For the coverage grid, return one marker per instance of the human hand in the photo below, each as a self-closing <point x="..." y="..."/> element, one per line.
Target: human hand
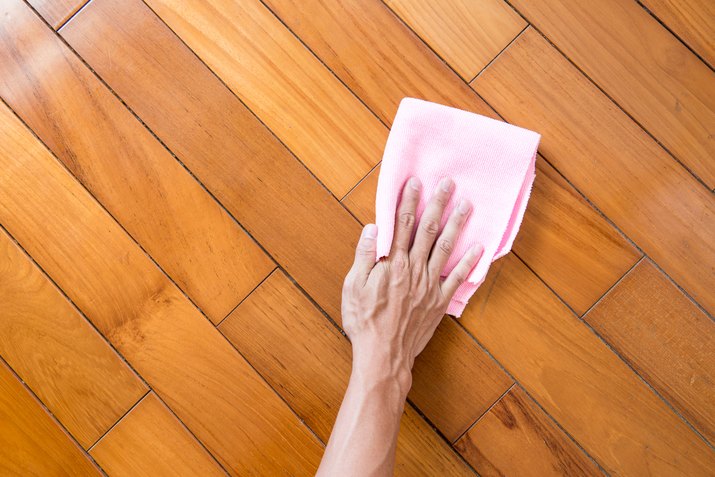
<point x="391" y="308"/>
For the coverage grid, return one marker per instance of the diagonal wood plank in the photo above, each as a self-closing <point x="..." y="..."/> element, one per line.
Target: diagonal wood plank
<point x="56" y="12"/>
<point x="31" y="442"/>
<point x="220" y="141"/>
<point x="691" y="20"/>
<point x="617" y="165"/>
<point x="179" y="353"/>
<point x="298" y="222"/>
<point x="666" y="338"/>
<point x="578" y="380"/>
<point x="642" y="67"/>
<point x="358" y="39"/>
<point x="467" y="34"/>
<point x="56" y="352"/>
<point x="317" y="118"/>
<point x="516" y="438"/>
<point x="129" y="171"/>
<point x="453" y="383"/>
<point x="149" y="440"/>
<point x="562" y="237"/>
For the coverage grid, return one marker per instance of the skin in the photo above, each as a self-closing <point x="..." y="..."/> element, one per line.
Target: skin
<point x="390" y="311"/>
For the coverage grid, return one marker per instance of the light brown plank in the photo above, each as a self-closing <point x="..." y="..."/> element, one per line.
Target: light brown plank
<point x="31" y="442"/>
<point x="58" y="355"/>
<point x="609" y="158"/>
<point x="375" y="54"/>
<point x="149" y="440"/>
<point x="129" y="171"/>
<point x="56" y="12"/>
<point x="149" y="321"/>
<point x="578" y="380"/>
<point x="220" y="141"/>
<point x="516" y="438"/>
<point x="311" y="366"/>
<point x="562" y="238"/>
<point x="692" y="20"/>
<point x="642" y="67"/>
<point x="280" y="80"/>
<point x="666" y="338"/>
<point x="467" y="34"/>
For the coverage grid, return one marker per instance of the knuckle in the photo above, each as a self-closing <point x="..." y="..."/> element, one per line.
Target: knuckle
<point x="430" y="226"/>
<point x="407" y="219"/>
<point x="446" y="246"/>
<point x="400" y="261"/>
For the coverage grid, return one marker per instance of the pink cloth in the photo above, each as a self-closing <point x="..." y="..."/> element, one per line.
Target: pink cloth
<point x="491" y="163"/>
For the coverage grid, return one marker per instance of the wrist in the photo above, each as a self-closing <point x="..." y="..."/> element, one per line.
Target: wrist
<point x="377" y="368"/>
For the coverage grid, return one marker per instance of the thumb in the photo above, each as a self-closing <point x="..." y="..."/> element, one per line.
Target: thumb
<point x="365" y="252"/>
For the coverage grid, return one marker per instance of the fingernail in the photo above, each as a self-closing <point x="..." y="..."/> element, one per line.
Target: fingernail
<point x="446" y="184"/>
<point x="415" y="183"/>
<point x="464" y="206"/>
<point x="370" y="231"/>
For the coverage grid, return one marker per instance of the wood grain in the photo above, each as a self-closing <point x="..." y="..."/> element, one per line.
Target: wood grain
<point x="31" y="442"/>
<point x="516" y="438"/>
<point x="268" y="191"/>
<point x="604" y="154"/>
<point x="666" y="338"/>
<point x="149" y="440"/>
<point x="578" y="380"/>
<point x="467" y="34"/>
<point x="692" y="20"/>
<point x="280" y="80"/>
<point x="375" y="54"/>
<point x="131" y="174"/>
<point x="58" y="355"/>
<point x="642" y="67"/>
<point x="179" y="353"/>
<point x="311" y="368"/>
<point x="454" y="382"/>
<point x="562" y="238"/>
<point x="56" y="12"/>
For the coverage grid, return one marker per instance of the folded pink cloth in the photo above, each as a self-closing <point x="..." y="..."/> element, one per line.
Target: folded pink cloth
<point x="491" y="163"/>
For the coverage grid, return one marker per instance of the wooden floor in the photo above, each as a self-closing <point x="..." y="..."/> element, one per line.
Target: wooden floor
<point x="183" y="182"/>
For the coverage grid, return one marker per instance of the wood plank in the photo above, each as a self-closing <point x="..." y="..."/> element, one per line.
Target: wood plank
<point x="604" y="154"/>
<point x="58" y="355"/>
<point x="150" y="440"/>
<point x="578" y="380"/>
<point x="467" y="34"/>
<point x="692" y="20"/>
<point x="517" y="438"/>
<point x="268" y="191"/>
<point x="562" y="238"/>
<point x="312" y="365"/>
<point x="642" y="67"/>
<point x="375" y="54"/>
<point x="56" y="12"/>
<point x="180" y="354"/>
<point x="666" y="338"/>
<point x="31" y="442"/>
<point x="198" y="244"/>
<point x="281" y="81"/>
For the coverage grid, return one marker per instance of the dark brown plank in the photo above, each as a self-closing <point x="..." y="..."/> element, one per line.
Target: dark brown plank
<point x="58" y="355"/>
<point x="666" y="338"/>
<point x="129" y="171"/>
<point x="179" y="353"/>
<point x="31" y="442"/>
<point x="609" y="158"/>
<point x="578" y="380"/>
<point x="516" y="438"/>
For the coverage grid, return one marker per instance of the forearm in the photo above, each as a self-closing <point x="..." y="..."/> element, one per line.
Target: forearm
<point x="364" y="437"/>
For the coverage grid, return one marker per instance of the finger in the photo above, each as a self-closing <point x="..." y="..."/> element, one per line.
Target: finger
<point x="405" y="216"/>
<point x="431" y="219"/>
<point x="461" y="272"/>
<point x="365" y="253"/>
<point x="445" y="243"/>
